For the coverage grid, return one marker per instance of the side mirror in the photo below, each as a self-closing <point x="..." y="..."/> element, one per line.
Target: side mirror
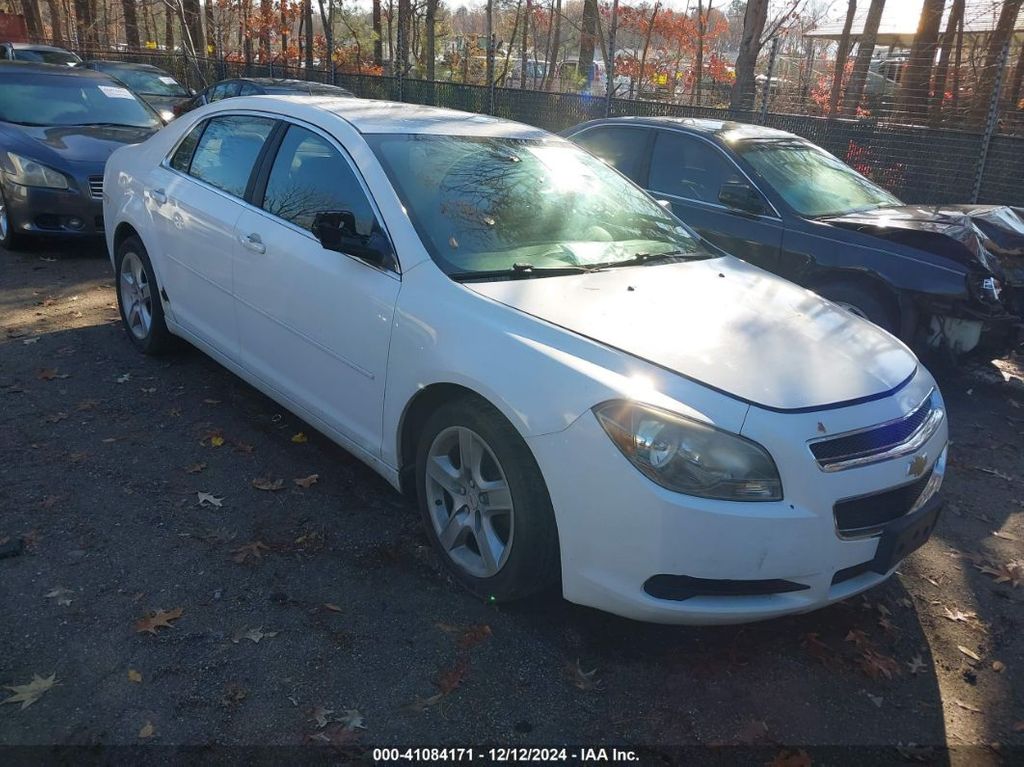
<point x="741" y="196"/>
<point x="336" y="230"/>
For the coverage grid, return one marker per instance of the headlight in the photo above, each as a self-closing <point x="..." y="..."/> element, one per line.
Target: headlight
<point x="31" y="173"/>
<point x="690" y="457"/>
<point x="166" y="115"/>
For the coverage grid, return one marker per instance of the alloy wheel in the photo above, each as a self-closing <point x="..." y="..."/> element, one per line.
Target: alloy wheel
<point x="470" y="504"/>
<point x="136" y="297"/>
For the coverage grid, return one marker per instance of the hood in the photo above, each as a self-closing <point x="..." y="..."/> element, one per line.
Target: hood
<point x="165" y="103"/>
<point x="87" y="143"/>
<point x="977" y="236"/>
<point x="724" y="324"/>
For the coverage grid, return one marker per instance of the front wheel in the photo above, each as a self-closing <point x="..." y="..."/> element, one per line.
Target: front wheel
<point x="9" y="240"/>
<point x="138" y="299"/>
<point x="863" y="302"/>
<point x="484" y="502"/>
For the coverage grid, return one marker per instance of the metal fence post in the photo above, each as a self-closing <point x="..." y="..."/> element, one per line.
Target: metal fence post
<point x="990" y="122"/>
<point x="768" y="82"/>
<point x="612" y="29"/>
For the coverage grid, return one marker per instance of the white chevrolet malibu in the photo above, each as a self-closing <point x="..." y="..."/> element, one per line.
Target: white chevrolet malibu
<point x="575" y="388"/>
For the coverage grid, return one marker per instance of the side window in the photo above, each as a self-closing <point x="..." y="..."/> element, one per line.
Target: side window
<point x="248" y="89"/>
<point x="223" y="91"/>
<point x="227" y="151"/>
<point x="182" y="157"/>
<point x="622" y="148"/>
<point x="309" y="176"/>
<point x="687" y="167"/>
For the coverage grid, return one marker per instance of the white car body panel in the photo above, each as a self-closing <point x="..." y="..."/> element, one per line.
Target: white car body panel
<point x="349" y="346"/>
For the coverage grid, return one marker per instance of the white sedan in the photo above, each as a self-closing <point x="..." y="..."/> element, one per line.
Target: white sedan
<point x="575" y="389"/>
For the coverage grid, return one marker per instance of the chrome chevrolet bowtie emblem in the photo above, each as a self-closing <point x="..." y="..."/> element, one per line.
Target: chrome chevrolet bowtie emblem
<point x="917" y="466"/>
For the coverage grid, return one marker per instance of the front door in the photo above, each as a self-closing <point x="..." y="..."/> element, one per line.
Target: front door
<point x="315" y="324"/>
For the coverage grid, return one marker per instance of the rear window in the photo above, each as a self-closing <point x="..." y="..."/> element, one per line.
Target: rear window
<point x="46" y="57"/>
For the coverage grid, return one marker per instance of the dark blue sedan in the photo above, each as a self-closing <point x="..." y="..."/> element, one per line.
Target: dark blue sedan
<point x="58" y="126"/>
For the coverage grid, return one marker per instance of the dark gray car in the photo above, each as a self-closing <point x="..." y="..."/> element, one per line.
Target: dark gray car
<point x="58" y="126"/>
<point x="155" y="86"/>
<point x="38" y="53"/>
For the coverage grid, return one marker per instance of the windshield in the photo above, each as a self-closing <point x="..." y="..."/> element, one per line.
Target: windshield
<point x="811" y="181"/>
<point x="68" y="100"/>
<point x="46" y="57"/>
<point x="147" y="83"/>
<point x="484" y="205"/>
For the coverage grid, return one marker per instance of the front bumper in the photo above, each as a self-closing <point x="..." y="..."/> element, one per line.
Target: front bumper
<point x="71" y="212"/>
<point x="618" y="530"/>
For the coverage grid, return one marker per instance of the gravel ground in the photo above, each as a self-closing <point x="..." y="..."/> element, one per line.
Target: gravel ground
<point x="319" y="614"/>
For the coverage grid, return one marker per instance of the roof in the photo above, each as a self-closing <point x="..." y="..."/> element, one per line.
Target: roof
<point x="15" y="68"/>
<point x="370" y="116"/>
<point x="125" y="65"/>
<point x="37" y="47"/>
<point x="727" y="130"/>
<point x="899" y="21"/>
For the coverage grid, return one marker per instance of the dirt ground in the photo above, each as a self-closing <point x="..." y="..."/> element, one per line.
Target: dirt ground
<point x="319" y="615"/>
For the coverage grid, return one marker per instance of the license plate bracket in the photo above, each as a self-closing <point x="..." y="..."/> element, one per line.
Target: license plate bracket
<point x="905" y="536"/>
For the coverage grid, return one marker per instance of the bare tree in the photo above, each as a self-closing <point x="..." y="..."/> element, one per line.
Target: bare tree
<point x="33" y="19"/>
<point x="698" y="66"/>
<point x="918" y="70"/>
<point x="861" y="65"/>
<point x="588" y="36"/>
<point x="754" y="18"/>
<point x="131" y="25"/>
<point x="378" y="51"/>
<point x="949" y="38"/>
<point x="55" y="23"/>
<point x="999" y="39"/>
<point x="431" y="32"/>
<point x="307" y="20"/>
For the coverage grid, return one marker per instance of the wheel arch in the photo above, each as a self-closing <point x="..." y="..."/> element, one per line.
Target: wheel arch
<point x="896" y="300"/>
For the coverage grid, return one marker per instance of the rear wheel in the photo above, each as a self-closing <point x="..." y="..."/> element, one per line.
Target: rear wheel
<point x="138" y="298"/>
<point x="861" y="301"/>
<point x="484" y="502"/>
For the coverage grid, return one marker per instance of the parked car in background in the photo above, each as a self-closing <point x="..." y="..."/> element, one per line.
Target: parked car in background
<point x="935" y="275"/>
<point x="568" y="379"/>
<point x="38" y="54"/>
<point x="157" y="87"/>
<point x="57" y="128"/>
<point x="260" y="86"/>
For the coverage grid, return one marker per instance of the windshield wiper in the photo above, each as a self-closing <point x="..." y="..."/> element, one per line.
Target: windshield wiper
<point x="106" y="125"/>
<point x="521" y="271"/>
<point x="659" y="258"/>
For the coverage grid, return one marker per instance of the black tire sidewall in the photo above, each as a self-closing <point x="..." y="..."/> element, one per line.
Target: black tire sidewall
<point x="532" y="564"/>
<point x="158" y="337"/>
<point x="12" y="241"/>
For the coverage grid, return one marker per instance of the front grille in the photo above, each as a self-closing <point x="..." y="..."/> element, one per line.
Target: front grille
<point x="865" y="515"/>
<point x="679" y="588"/>
<point x="96" y="187"/>
<point x="874" y="441"/>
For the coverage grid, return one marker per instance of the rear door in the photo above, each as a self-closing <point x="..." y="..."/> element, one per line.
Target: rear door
<point x="625" y="148"/>
<point x="314" y="323"/>
<point x="195" y="199"/>
<point x="689" y="172"/>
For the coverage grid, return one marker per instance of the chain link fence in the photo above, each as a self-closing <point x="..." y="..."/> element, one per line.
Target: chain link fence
<point x="928" y="162"/>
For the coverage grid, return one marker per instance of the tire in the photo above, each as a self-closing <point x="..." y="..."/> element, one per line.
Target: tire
<point x="524" y="541"/>
<point x="9" y="239"/>
<point x="138" y="298"/>
<point x="862" y="301"/>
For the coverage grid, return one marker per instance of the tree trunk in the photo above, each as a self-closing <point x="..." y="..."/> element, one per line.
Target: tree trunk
<point x="55" y="23"/>
<point x="841" y="56"/>
<point x="754" y="19"/>
<point x="378" y="52"/>
<point x="993" y="59"/>
<point x="865" y="48"/>
<point x="698" y="66"/>
<point x="169" y="17"/>
<point x="402" y="57"/>
<point x="131" y="25"/>
<point x="85" y="23"/>
<point x="431" y="53"/>
<point x="192" y="19"/>
<point x="522" y="50"/>
<point x="956" y="17"/>
<point x="33" y="19"/>
<point x="284" y="33"/>
<point x="307" y="20"/>
<point x="212" y="41"/>
<point x="647" y="45"/>
<point x="588" y="38"/>
<point x="489" y="66"/>
<point x="555" y="43"/>
<point x="1013" y="96"/>
<point x="918" y="70"/>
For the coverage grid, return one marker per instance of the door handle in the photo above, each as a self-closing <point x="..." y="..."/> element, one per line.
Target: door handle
<point x="159" y="196"/>
<point x="253" y="242"/>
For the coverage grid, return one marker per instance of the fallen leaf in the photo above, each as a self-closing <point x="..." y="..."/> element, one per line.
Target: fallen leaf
<point x="267" y="484"/>
<point x="48" y="374"/>
<point x="998" y="666"/>
<point x="56" y="417"/>
<point x="134" y="676"/>
<point x="875" y="664"/>
<point x="159" y="619"/>
<point x="148" y="390"/>
<point x="876" y="699"/>
<point x="61" y="595"/>
<point x="1012" y="572"/>
<point x="994" y="473"/>
<point x="249" y="551"/>
<point x="27" y="694"/>
<point x="585" y="680"/>
<point x="333" y="608"/>
<point x="28" y="341"/>
<point x="207" y="498"/>
<point x="124" y="378"/>
<point x="255" y="635"/>
<point x="147" y="731"/>
<point x="859" y="638"/>
<point x="216" y="440"/>
<point x="968" y="652"/>
<point x="916" y="664"/>
<point x="299" y="438"/>
<point x="473" y="636"/>
<point x="958" y="616"/>
<point x="352" y="719"/>
<point x="452" y="678"/>
<point x="320" y="716"/>
<point x="211" y="401"/>
<point x="1004" y="536"/>
<point x="195" y="468"/>
<point x="307" y="482"/>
